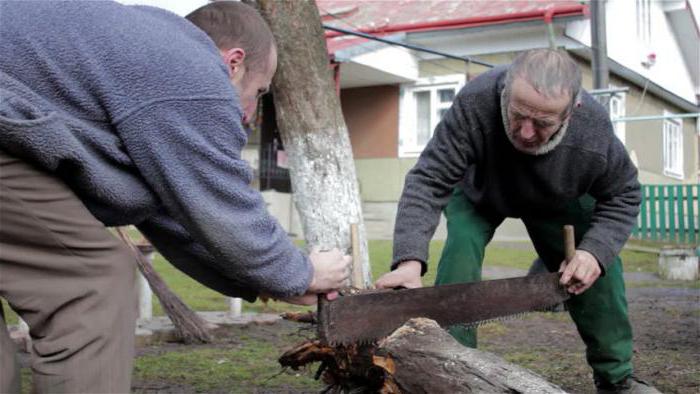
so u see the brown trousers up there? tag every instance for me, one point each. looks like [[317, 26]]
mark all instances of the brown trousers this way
[[70, 279]]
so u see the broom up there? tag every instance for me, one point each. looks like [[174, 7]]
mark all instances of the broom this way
[[189, 327]]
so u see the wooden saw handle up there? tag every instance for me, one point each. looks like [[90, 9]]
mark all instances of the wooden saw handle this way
[[569, 242]]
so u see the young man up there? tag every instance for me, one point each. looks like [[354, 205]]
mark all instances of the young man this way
[[525, 141], [113, 115]]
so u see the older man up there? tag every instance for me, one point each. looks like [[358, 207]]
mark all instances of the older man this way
[[113, 115], [525, 141]]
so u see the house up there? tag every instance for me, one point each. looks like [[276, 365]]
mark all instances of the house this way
[[393, 97]]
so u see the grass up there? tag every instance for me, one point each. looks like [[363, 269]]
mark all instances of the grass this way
[[206, 370]]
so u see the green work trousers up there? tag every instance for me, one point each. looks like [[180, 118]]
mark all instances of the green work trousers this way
[[600, 313]]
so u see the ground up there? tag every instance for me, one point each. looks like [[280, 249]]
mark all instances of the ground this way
[[667, 350], [665, 316]]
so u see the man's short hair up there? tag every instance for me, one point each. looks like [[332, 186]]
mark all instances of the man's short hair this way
[[551, 72], [232, 24]]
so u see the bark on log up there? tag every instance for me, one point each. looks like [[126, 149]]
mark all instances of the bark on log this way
[[313, 130], [424, 358]]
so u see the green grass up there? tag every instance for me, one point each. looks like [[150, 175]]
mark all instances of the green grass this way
[[252, 363]]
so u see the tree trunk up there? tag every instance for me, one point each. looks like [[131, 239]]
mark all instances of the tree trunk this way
[[313, 130]]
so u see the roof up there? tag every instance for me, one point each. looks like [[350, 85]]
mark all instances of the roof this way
[[380, 17]]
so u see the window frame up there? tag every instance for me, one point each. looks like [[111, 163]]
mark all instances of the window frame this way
[[620, 98], [672, 145], [408, 125], [643, 20]]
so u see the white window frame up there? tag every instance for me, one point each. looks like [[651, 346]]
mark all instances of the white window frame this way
[[672, 155], [616, 109], [408, 133], [643, 9]]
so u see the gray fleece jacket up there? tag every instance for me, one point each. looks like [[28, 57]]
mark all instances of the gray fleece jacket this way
[[132, 107], [470, 149]]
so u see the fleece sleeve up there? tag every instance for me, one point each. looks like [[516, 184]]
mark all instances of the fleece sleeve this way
[[178, 247], [189, 152], [429, 185], [618, 195]]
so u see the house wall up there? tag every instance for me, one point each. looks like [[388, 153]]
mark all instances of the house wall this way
[[625, 47], [372, 116]]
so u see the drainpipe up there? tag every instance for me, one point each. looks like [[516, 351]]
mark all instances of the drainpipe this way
[[599, 58], [548, 20], [336, 75]]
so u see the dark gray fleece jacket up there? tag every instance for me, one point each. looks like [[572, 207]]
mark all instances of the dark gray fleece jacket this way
[[470, 149], [132, 107]]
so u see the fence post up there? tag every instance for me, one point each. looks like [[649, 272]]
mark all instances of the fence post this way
[[681, 215], [690, 199], [643, 214], [652, 213], [235, 306], [672, 214], [662, 212]]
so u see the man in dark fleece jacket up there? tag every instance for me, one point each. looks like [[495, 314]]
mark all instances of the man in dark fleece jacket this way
[[526, 142], [113, 115]]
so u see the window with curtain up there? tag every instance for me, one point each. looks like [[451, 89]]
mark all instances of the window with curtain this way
[[422, 107]]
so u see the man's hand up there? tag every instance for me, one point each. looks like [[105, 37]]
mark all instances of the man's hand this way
[[580, 273], [407, 274], [331, 270]]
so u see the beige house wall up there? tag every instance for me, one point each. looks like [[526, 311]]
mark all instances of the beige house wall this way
[[644, 139]]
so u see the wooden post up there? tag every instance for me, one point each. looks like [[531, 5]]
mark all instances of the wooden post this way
[[145, 292], [235, 307], [357, 274]]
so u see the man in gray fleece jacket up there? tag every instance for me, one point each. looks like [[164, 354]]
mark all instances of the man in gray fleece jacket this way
[[526, 142], [113, 115]]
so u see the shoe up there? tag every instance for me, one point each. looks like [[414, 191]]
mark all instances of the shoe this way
[[629, 385]]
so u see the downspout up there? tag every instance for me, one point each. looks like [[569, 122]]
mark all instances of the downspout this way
[[336, 75], [548, 21]]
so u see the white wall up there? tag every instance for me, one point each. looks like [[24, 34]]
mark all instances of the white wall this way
[[624, 47]]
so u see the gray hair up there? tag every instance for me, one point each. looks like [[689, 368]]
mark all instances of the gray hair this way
[[550, 72]]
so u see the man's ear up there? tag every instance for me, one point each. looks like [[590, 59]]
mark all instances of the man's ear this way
[[233, 58]]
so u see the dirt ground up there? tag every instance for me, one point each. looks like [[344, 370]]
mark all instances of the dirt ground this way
[[666, 324]]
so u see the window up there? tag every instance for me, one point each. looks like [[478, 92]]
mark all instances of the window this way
[[673, 147], [644, 20], [616, 108], [423, 104]]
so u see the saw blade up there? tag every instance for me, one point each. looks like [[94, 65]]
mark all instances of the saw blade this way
[[372, 315]]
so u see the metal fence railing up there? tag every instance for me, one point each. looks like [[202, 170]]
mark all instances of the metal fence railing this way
[[668, 213]]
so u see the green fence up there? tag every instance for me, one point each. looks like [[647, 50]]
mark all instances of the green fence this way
[[668, 213]]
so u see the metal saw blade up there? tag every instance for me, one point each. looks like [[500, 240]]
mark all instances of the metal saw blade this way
[[368, 316]]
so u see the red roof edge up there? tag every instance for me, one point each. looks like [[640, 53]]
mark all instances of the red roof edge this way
[[546, 15]]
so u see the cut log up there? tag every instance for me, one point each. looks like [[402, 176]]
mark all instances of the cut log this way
[[421, 357]]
